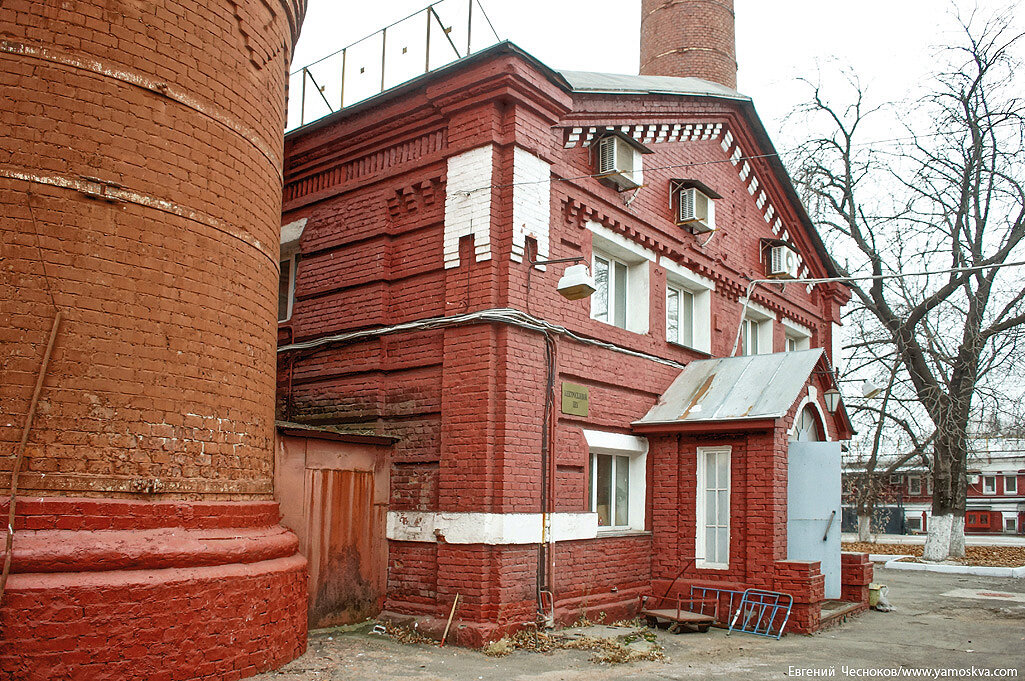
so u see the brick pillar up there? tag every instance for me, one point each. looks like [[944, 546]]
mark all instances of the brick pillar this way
[[856, 572], [802, 580]]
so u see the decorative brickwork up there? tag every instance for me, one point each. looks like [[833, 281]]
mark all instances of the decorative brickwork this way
[[689, 38]]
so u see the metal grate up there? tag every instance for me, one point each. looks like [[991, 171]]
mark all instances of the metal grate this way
[[762, 613]]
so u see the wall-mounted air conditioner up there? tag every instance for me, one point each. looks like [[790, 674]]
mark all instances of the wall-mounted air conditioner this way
[[696, 210], [619, 161], [783, 263]]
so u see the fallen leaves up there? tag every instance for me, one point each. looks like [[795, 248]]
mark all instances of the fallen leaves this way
[[988, 556]]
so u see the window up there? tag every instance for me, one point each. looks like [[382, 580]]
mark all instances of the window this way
[[620, 269], [914, 523], [756, 330], [1011, 523], [611, 282], [914, 485], [688, 307], [617, 479], [1010, 484], [679, 316], [798, 337], [989, 484], [286, 289], [807, 427], [712, 546]]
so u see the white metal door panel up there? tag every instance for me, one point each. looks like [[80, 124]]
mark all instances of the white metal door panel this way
[[813, 508]]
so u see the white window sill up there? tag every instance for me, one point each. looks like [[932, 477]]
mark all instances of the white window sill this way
[[711, 566]]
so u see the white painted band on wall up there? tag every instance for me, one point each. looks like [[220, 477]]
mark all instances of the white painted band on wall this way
[[488, 528]]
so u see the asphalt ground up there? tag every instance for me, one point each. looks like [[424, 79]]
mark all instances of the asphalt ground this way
[[974, 632]]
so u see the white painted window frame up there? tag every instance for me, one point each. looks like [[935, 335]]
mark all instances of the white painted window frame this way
[[764, 319], [797, 334], [986, 489], [612, 246], [1013, 479], [1010, 522], [700, 288], [702, 527], [291, 261], [636, 449], [914, 483]]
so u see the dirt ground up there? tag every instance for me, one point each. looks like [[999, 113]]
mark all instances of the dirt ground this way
[[992, 556], [979, 623]]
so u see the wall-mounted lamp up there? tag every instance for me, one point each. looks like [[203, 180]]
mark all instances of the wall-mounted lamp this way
[[576, 282], [870, 389], [832, 397]]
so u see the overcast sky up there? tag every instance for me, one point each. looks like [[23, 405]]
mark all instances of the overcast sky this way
[[890, 43]]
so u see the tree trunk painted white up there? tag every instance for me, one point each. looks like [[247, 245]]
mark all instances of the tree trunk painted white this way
[[864, 528], [957, 543], [937, 544]]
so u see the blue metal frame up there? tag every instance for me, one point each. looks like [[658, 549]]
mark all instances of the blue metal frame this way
[[705, 593], [759, 610]]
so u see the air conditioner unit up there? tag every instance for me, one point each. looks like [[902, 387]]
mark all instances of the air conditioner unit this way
[[619, 162], [696, 210], [783, 263]]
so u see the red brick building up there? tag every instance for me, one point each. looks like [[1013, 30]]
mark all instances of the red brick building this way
[[535, 468], [995, 502]]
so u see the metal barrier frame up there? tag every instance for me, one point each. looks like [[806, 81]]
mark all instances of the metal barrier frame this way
[[755, 605]]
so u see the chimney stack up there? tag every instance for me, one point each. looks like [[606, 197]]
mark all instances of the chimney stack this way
[[689, 38]]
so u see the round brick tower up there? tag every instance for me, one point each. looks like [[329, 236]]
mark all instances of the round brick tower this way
[[140, 188], [693, 38]]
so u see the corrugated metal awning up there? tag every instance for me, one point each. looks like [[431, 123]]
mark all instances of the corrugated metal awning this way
[[748, 388]]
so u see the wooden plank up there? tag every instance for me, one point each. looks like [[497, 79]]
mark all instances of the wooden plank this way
[[684, 616]]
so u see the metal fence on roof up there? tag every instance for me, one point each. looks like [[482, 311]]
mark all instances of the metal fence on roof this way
[[435, 36]]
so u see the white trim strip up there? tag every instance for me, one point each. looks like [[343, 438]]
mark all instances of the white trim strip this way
[[488, 528]]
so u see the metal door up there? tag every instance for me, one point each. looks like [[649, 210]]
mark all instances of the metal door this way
[[813, 508]]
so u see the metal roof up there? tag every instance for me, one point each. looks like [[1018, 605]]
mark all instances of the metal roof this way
[[735, 388], [617, 83]]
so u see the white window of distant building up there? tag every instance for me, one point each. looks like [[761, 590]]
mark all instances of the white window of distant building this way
[[914, 523], [1011, 523], [798, 337], [618, 472], [989, 484], [756, 330], [712, 546], [688, 307], [914, 485], [286, 289], [1010, 484], [620, 269]]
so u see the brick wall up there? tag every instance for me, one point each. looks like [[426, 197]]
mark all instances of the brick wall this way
[[161, 253], [392, 243], [689, 38], [111, 589]]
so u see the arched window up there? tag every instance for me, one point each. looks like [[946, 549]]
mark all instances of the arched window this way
[[808, 427]]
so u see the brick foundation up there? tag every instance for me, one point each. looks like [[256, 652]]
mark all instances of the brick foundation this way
[[111, 589], [856, 572]]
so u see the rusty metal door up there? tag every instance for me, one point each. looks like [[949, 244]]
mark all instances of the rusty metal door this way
[[334, 496], [347, 558]]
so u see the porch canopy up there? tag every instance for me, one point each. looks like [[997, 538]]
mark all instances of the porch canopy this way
[[751, 392]]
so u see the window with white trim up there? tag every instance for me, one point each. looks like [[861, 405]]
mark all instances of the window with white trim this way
[[756, 331], [914, 523], [688, 307], [989, 484], [1010, 484], [712, 547], [621, 272], [679, 316], [914, 485], [798, 337], [617, 479], [1011, 523], [286, 289], [612, 288]]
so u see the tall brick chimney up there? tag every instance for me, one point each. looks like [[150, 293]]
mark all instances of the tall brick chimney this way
[[692, 38]]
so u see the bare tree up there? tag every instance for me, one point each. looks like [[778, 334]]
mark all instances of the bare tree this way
[[948, 201]]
